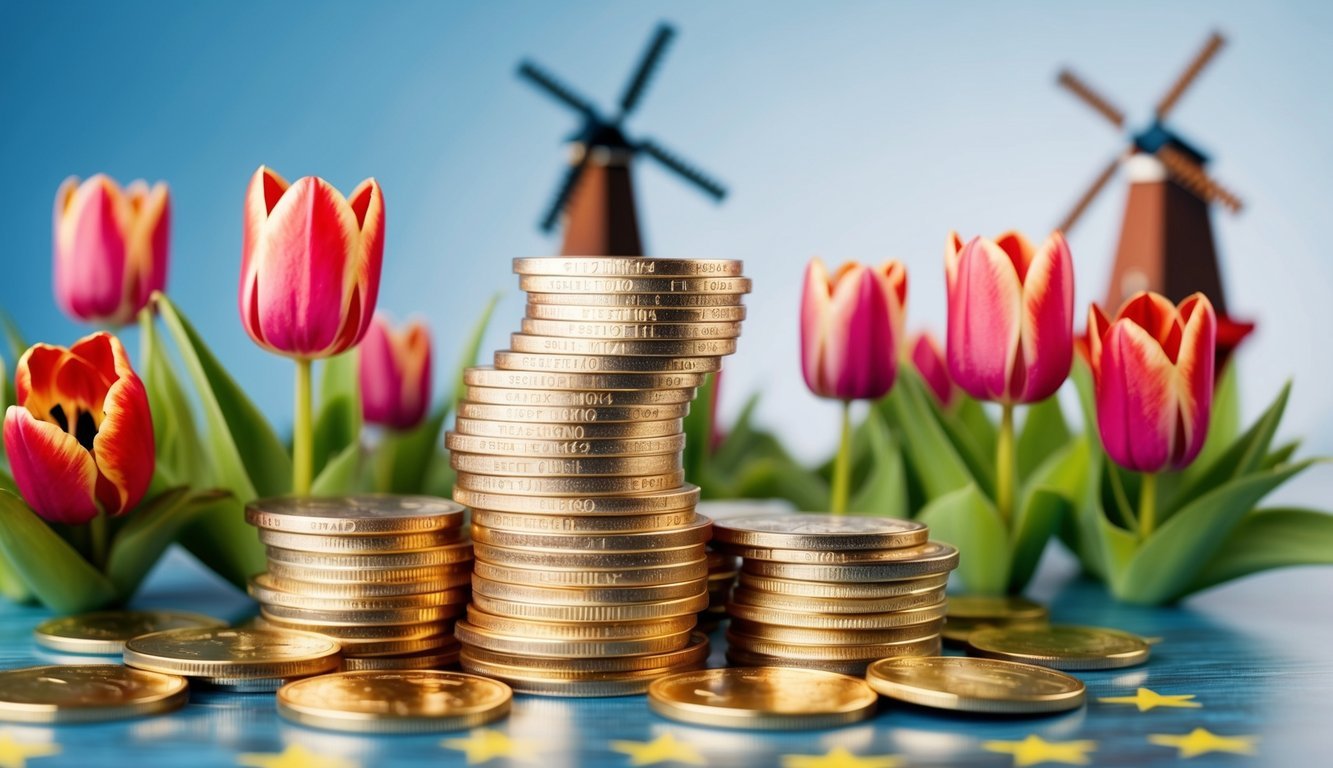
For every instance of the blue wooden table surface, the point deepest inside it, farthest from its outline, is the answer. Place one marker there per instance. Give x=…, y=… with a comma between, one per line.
x=1257, y=656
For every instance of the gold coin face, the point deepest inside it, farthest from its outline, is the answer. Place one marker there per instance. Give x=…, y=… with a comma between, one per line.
x=389, y=701
x=627, y=266
x=86, y=693
x=828, y=532
x=769, y=698
x=1060, y=647
x=966, y=684
x=998, y=609
x=355, y=515
x=233, y=653
x=105, y=632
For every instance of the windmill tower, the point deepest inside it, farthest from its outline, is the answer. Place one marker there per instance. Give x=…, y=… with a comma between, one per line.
x=1166, y=238
x=596, y=194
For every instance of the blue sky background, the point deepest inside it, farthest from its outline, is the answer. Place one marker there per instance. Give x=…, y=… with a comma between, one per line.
x=845, y=129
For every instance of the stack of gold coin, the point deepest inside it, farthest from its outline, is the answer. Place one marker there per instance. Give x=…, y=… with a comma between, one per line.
x=722, y=567
x=383, y=575
x=590, y=559
x=833, y=593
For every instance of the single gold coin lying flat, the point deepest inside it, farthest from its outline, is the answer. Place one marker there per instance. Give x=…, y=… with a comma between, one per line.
x=845, y=590
x=804, y=636
x=703, y=347
x=567, y=578
x=585, y=595
x=966, y=684
x=655, y=299
x=409, y=701
x=820, y=532
x=627, y=266
x=933, y=558
x=695, y=532
x=995, y=608
x=577, y=397
x=886, y=620
x=520, y=485
x=727, y=314
x=361, y=562
x=358, y=545
x=263, y=589
x=843, y=605
x=105, y=632
x=673, y=499
x=86, y=693
x=367, y=514
x=356, y=633
x=540, y=630
x=332, y=590
x=565, y=466
x=767, y=698
x=489, y=376
x=349, y=577
x=519, y=522
x=357, y=617
x=664, y=285
x=574, y=414
x=911, y=560
x=587, y=561
x=634, y=333
x=566, y=649
x=593, y=613
x=233, y=653
x=554, y=363
x=429, y=659
x=1060, y=647
x=557, y=668
x=569, y=432
x=926, y=645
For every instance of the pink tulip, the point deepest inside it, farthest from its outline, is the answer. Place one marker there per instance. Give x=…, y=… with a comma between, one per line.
x=310, y=269
x=850, y=327
x=110, y=247
x=1011, y=316
x=930, y=362
x=395, y=374
x=1152, y=366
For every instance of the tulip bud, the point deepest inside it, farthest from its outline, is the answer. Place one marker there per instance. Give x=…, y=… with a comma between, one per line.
x=395, y=374
x=850, y=327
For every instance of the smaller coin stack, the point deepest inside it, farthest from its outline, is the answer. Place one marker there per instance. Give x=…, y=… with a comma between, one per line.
x=834, y=593
x=591, y=567
x=722, y=567
x=383, y=575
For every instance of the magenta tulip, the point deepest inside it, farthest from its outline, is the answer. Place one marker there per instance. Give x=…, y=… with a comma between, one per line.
x=110, y=247
x=851, y=324
x=395, y=374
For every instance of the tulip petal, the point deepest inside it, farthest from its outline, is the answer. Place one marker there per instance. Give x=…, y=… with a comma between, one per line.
x=1098, y=325
x=1137, y=405
x=1155, y=313
x=815, y=293
x=934, y=369
x=55, y=475
x=1019, y=250
x=985, y=320
x=1047, y=335
x=953, y=251
x=893, y=276
x=89, y=263
x=367, y=204
x=861, y=357
x=263, y=192
x=1195, y=368
x=123, y=448
x=147, y=243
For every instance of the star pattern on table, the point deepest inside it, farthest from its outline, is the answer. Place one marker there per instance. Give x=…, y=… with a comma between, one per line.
x=1201, y=741
x=485, y=744
x=293, y=756
x=1146, y=699
x=16, y=754
x=1035, y=750
x=663, y=749
x=839, y=757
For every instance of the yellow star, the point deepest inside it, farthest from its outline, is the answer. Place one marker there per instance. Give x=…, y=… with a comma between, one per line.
x=663, y=749
x=1034, y=749
x=1201, y=741
x=484, y=744
x=15, y=754
x=294, y=756
x=1146, y=699
x=840, y=758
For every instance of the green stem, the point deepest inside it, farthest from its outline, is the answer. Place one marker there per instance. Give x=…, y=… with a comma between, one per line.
x=842, y=465
x=98, y=546
x=1147, y=505
x=1004, y=464
x=303, y=433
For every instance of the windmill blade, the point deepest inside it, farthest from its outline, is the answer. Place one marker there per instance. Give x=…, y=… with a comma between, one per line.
x=1191, y=73
x=1193, y=177
x=1075, y=85
x=1095, y=189
x=647, y=65
x=563, y=192
x=547, y=82
x=697, y=177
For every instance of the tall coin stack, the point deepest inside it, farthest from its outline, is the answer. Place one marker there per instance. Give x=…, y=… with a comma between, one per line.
x=833, y=593
x=590, y=564
x=383, y=575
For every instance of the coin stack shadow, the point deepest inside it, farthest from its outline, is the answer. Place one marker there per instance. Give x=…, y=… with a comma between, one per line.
x=835, y=608
x=383, y=575
x=590, y=564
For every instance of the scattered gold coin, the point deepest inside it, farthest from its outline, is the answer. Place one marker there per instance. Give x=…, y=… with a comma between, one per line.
x=233, y=653
x=1060, y=647
x=965, y=684
x=766, y=698
x=386, y=701
x=86, y=693
x=105, y=632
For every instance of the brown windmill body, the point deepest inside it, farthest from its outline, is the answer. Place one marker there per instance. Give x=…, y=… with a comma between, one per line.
x=600, y=217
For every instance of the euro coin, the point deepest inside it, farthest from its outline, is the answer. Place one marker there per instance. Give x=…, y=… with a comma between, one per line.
x=929, y=645
x=742, y=658
x=836, y=621
x=489, y=376
x=624, y=630
x=584, y=595
x=553, y=363
x=366, y=561
x=934, y=558
x=368, y=514
x=357, y=633
x=562, y=466
x=914, y=560
x=695, y=652
x=643, y=285
x=242, y=684
x=409, y=701
x=357, y=617
x=572, y=414
x=965, y=684
x=561, y=345
x=806, y=636
x=569, y=578
x=627, y=266
x=587, y=561
x=233, y=653
x=594, y=314
x=431, y=659
x=594, y=613
x=677, y=498
x=357, y=589
x=577, y=397
x=844, y=606
x=820, y=532
x=636, y=299
x=262, y=589
x=1060, y=647
x=357, y=545
x=611, y=430
x=524, y=680
x=554, y=647
x=844, y=590
x=351, y=576
x=632, y=332
x=518, y=522
x=105, y=632
x=762, y=698
x=86, y=693
x=522, y=485
x=695, y=532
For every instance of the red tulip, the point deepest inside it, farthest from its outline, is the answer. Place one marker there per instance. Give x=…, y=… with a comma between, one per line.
x=310, y=269
x=930, y=362
x=850, y=327
x=80, y=439
x=110, y=247
x=395, y=374
x=1152, y=366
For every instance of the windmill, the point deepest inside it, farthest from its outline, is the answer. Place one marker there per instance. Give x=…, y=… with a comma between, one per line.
x=1166, y=238
x=596, y=195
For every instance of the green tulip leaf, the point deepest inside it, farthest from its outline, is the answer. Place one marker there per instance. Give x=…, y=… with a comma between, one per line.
x=1044, y=432
x=12, y=587
x=7, y=483
x=1083, y=532
x=1040, y=517
x=47, y=565
x=221, y=539
x=1223, y=422
x=150, y=529
x=471, y=351
x=1168, y=561
x=340, y=474
x=775, y=478
x=968, y=520
x=180, y=452
x=980, y=464
x=1280, y=455
x=971, y=413
x=402, y=460
x=1268, y=539
x=884, y=491
x=338, y=420
x=699, y=429
x=930, y=454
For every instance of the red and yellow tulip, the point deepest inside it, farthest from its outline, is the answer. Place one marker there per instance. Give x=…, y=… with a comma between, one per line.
x=310, y=264
x=80, y=438
x=395, y=374
x=1152, y=368
x=929, y=361
x=851, y=325
x=110, y=247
